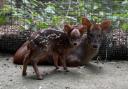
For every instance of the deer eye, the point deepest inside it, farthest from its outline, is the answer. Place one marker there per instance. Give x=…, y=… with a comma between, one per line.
x=91, y=35
x=99, y=35
x=72, y=39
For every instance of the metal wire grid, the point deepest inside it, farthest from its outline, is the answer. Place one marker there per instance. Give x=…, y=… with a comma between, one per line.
x=107, y=7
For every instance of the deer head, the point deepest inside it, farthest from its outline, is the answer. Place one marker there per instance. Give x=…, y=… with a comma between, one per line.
x=74, y=33
x=95, y=32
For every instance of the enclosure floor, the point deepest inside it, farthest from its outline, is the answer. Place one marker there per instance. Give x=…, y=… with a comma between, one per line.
x=111, y=75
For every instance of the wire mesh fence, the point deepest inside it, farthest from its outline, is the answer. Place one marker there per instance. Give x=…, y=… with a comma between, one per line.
x=17, y=17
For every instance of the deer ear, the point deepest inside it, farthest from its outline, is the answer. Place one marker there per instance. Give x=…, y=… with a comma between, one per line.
x=105, y=24
x=83, y=29
x=86, y=22
x=67, y=28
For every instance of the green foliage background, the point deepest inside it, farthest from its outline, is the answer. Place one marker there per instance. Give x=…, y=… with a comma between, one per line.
x=38, y=14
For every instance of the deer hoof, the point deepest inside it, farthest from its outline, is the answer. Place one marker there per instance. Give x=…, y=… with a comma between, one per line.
x=56, y=69
x=24, y=74
x=66, y=70
x=40, y=78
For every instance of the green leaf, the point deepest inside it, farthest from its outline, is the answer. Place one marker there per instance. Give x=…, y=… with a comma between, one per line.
x=2, y=20
x=125, y=26
x=41, y=25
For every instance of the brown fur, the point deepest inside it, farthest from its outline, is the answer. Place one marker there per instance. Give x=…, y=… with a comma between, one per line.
x=90, y=45
x=51, y=42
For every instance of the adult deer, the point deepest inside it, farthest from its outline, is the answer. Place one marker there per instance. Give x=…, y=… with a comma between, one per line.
x=89, y=46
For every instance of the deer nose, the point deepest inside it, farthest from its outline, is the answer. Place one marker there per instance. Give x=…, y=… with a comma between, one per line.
x=75, y=44
x=95, y=46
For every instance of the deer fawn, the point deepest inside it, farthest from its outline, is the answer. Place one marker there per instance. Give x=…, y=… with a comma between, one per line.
x=52, y=42
x=90, y=44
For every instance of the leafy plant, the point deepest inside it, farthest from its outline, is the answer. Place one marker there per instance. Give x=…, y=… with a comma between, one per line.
x=38, y=14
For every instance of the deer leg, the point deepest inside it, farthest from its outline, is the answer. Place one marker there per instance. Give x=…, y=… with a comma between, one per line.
x=55, y=59
x=25, y=63
x=62, y=58
x=34, y=64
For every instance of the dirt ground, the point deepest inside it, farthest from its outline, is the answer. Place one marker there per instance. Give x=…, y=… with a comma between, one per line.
x=111, y=75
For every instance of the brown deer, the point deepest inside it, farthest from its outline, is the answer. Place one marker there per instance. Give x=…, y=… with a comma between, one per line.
x=87, y=49
x=52, y=42
x=90, y=44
